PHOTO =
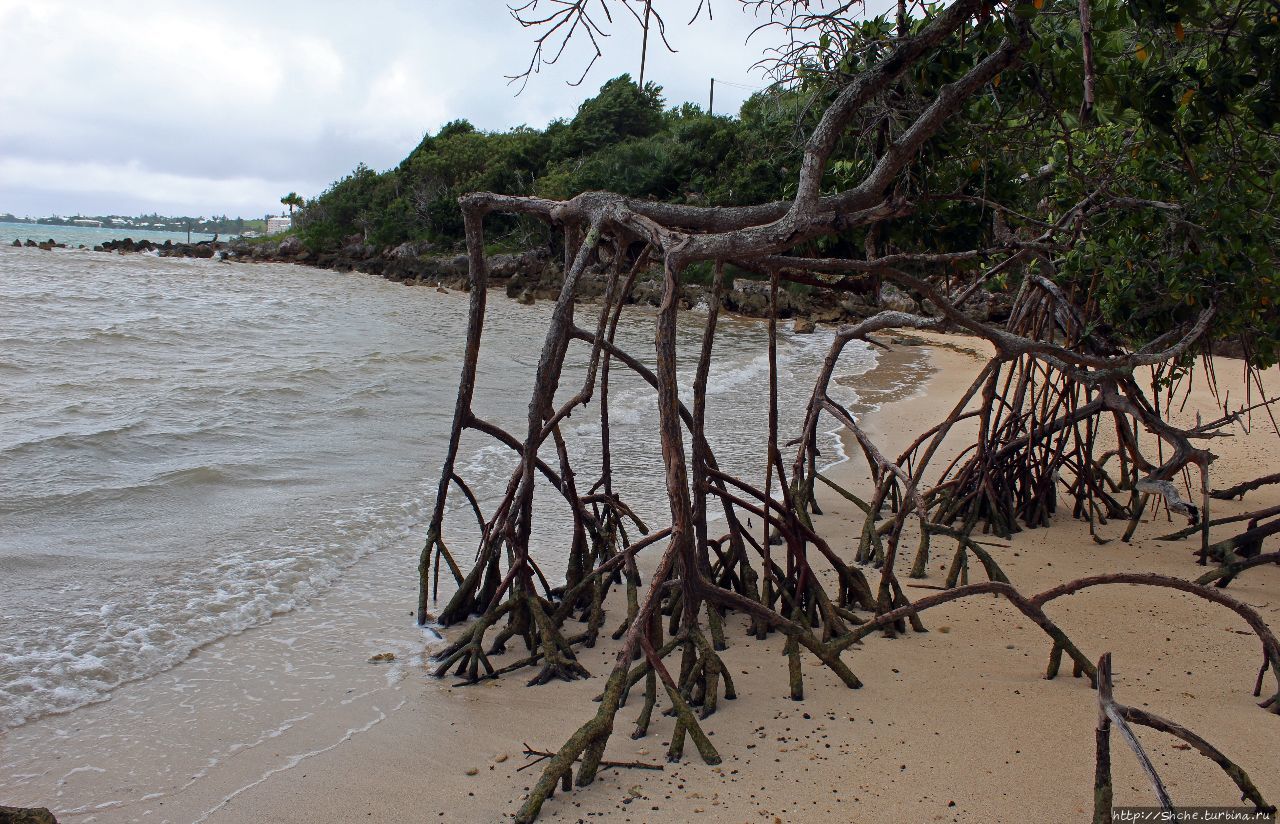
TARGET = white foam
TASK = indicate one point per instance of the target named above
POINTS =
(107, 645)
(297, 759)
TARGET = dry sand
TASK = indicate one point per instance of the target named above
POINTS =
(956, 724)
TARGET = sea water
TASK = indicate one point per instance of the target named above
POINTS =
(214, 485)
(89, 236)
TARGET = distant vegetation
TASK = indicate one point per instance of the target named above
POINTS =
(1192, 134)
(220, 225)
(623, 140)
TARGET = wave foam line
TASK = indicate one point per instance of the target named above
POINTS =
(295, 760)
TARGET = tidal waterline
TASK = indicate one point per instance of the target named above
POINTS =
(193, 450)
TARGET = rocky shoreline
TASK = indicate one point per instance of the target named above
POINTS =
(536, 274)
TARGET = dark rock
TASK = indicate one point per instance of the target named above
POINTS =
(409, 250)
(264, 251)
(828, 310)
(891, 297)
(803, 326)
(649, 293)
(978, 306)
(17, 243)
(357, 251)
(750, 297)
(290, 246)
(534, 275)
(999, 307)
(855, 308)
(26, 815)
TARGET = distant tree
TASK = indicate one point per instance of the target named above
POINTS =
(291, 200)
(456, 127)
(621, 110)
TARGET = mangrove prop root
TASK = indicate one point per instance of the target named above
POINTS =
(542, 755)
(1057, 420)
(1113, 715)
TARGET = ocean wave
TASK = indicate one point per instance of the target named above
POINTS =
(56, 496)
(69, 440)
(251, 388)
(134, 635)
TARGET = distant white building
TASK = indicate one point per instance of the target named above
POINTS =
(87, 222)
(276, 225)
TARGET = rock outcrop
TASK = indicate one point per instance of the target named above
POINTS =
(26, 815)
(535, 275)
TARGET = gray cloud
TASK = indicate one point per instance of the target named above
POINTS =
(222, 108)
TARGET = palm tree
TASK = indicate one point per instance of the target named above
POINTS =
(291, 200)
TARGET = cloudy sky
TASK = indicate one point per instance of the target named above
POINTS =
(221, 107)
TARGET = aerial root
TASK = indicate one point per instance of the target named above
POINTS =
(1041, 407)
(794, 677)
(558, 659)
(1227, 573)
(965, 544)
(705, 676)
(1113, 714)
(468, 651)
(686, 722)
(650, 701)
(700, 682)
(587, 743)
(467, 655)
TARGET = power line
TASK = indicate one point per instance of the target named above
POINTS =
(711, 103)
(741, 85)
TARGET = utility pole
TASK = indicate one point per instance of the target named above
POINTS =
(644, 45)
(711, 104)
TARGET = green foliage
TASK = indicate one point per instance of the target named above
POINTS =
(1182, 130)
(620, 140)
(1182, 134)
(621, 110)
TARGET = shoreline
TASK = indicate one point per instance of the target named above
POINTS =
(57, 758)
(531, 275)
(954, 725)
(957, 724)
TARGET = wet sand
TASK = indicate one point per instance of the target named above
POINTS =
(956, 724)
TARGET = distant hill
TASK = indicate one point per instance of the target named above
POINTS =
(221, 225)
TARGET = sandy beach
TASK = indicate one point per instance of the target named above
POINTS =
(956, 724)
(367, 371)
